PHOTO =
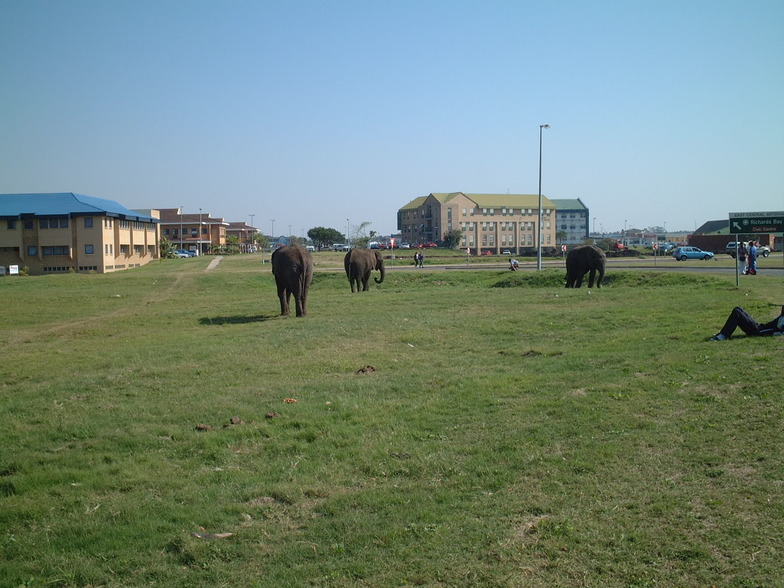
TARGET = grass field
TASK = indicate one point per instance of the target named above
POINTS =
(510, 432)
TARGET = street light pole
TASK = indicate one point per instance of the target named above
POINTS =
(539, 227)
(199, 237)
(182, 239)
(272, 230)
(348, 237)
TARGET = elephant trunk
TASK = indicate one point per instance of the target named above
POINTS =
(381, 269)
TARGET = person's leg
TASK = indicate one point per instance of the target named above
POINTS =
(739, 318)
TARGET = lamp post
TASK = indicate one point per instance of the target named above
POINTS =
(272, 229)
(348, 238)
(594, 226)
(289, 234)
(182, 239)
(251, 232)
(199, 238)
(539, 228)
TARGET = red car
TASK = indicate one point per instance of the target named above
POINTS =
(429, 245)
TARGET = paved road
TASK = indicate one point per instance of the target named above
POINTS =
(773, 265)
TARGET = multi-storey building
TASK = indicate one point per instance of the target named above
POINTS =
(63, 232)
(571, 219)
(193, 232)
(488, 222)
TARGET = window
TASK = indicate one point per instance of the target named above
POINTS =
(28, 224)
(56, 250)
(63, 223)
(88, 222)
(32, 250)
(11, 225)
(89, 249)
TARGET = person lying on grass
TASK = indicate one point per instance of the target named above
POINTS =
(739, 318)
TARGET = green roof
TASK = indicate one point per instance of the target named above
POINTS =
(569, 204)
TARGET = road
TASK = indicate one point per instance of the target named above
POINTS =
(773, 265)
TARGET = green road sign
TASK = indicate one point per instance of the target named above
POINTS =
(756, 222)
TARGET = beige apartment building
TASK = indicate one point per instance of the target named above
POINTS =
(65, 232)
(196, 232)
(489, 222)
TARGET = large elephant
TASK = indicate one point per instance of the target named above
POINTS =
(292, 267)
(583, 259)
(359, 263)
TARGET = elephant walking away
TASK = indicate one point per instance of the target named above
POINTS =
(582, 259)
(359, 263)
(292, 266)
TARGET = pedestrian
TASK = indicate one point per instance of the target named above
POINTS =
(742, 252)
(514, 265)
(752, 256)
(421, 259)
(739, 318)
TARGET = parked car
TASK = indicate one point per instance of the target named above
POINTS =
(310, 248)
(486, 252)
(666, 247)
(428, 245)
(340, 247)
(183, 253)
(405, 246)
(684, 253)
(762, 250)
(506, 252)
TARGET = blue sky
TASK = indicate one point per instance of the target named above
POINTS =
(660, 112)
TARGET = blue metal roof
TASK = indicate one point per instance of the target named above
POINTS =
(65, 203)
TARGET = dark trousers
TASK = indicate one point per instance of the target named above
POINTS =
(739, 318)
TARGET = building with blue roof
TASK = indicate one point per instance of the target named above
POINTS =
(68, 232)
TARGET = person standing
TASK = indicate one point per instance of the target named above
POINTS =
(752, 255)
(421, 259)
(742, 252)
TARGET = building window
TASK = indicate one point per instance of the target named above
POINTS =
(56, 250)
(125, 250)
(88, 222)
(32, 250)
(11, 225)
(89, 249)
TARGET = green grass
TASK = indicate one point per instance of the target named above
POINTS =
(513, 433)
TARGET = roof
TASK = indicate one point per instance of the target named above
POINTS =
(486, 200)
(65, 203)
(716, 227)
(569, 204)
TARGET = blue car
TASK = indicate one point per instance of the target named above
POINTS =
(684, 253)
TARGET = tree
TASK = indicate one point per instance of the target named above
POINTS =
(165, 248)
(322, 236)
(452, 238)
(561, 236)
(262, 241)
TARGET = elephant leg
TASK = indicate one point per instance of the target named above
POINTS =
(299, 301)
(283, 295)
(365, 280)
(579, 283)
(591, 278)
(601, 277)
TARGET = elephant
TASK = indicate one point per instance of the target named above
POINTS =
(359, 263)
(292, 266)
(581, 260)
